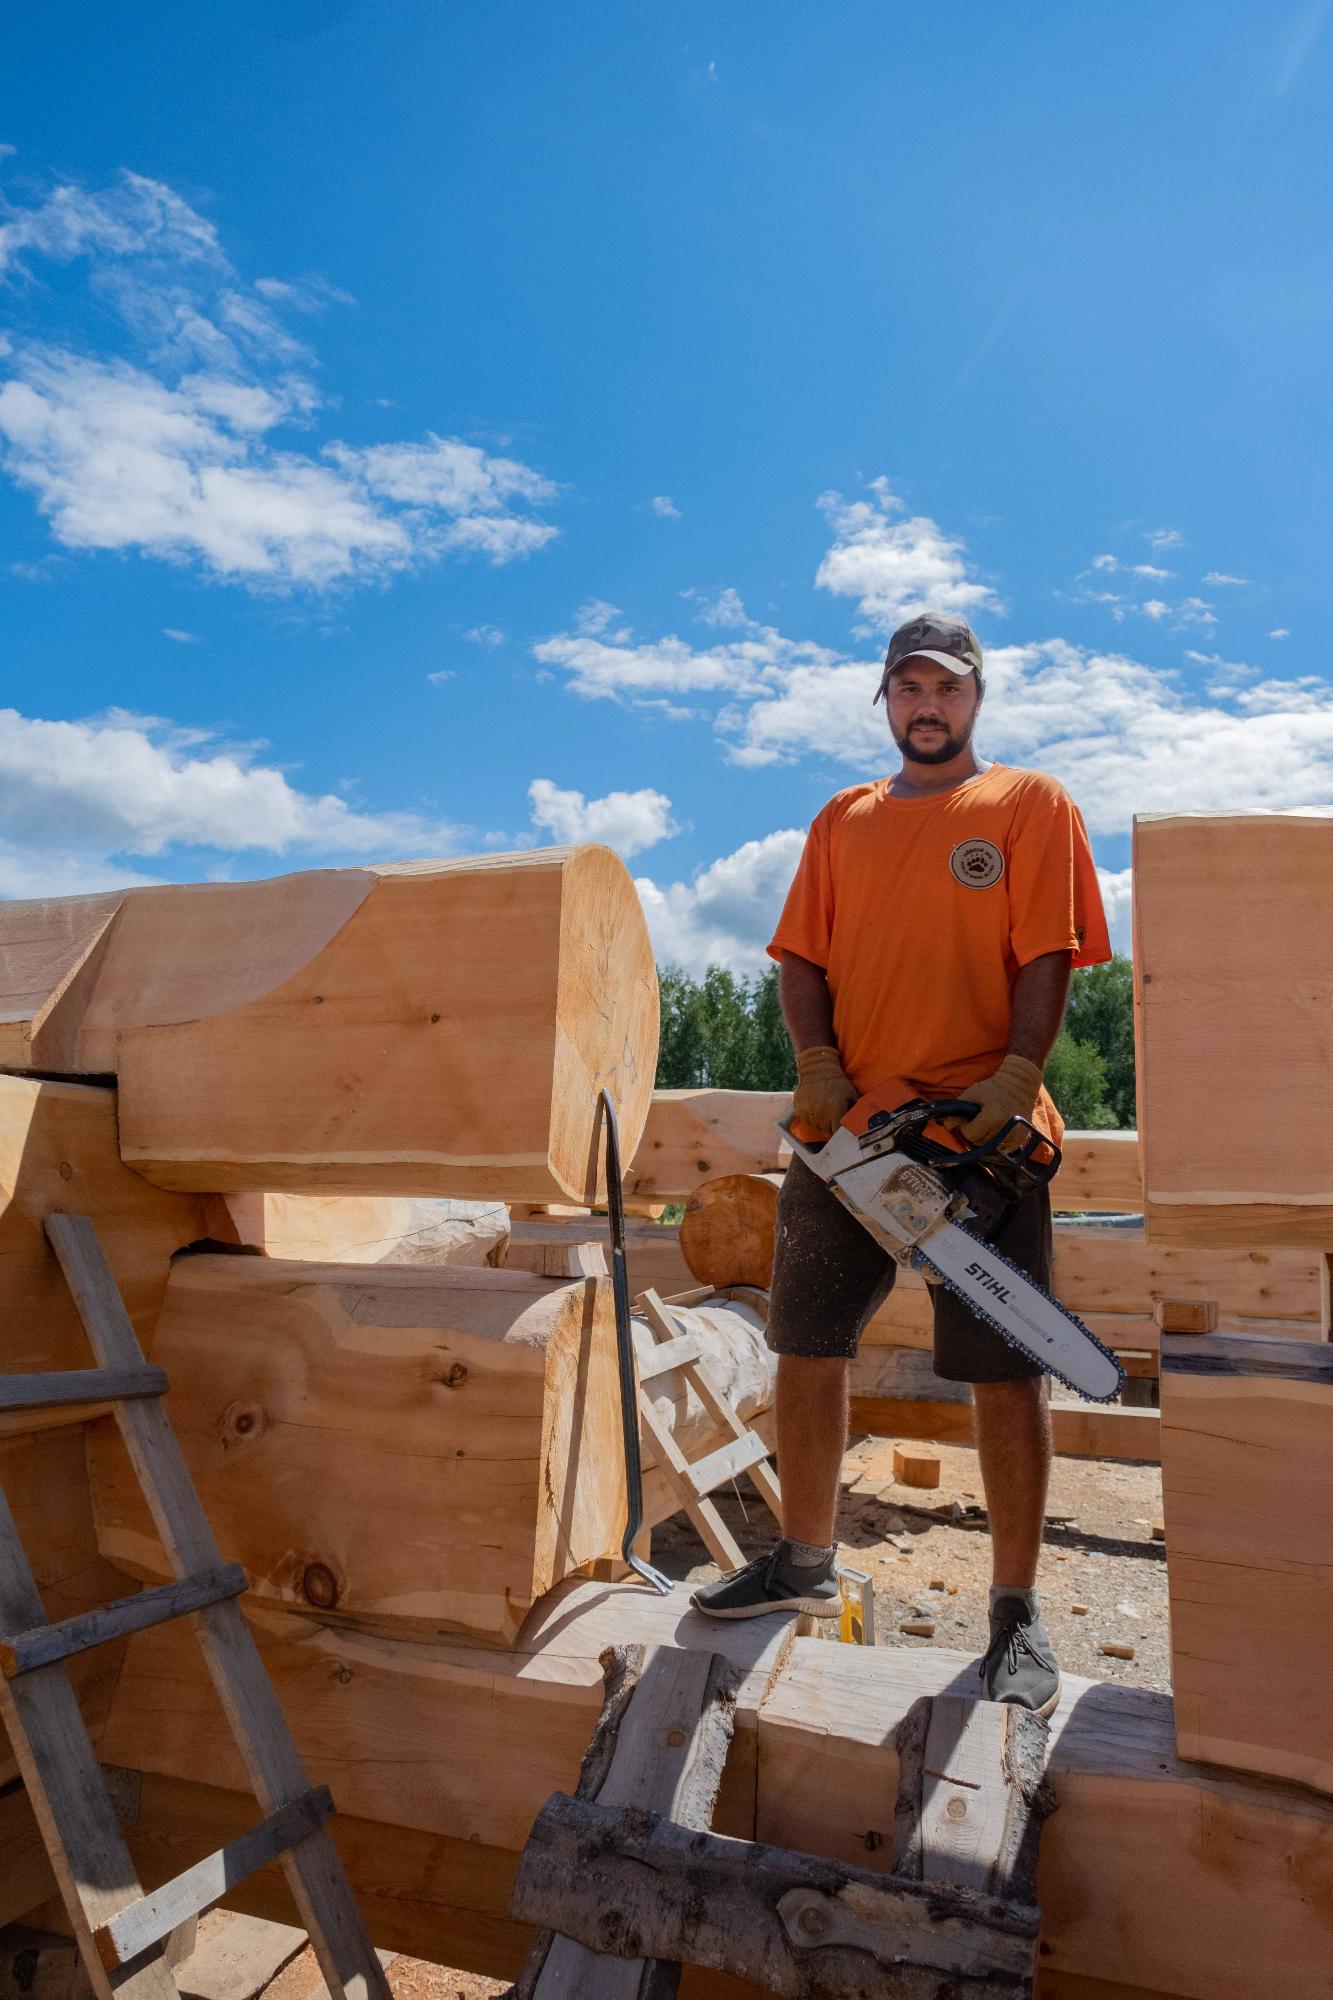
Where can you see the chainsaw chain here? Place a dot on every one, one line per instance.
(920, 1257)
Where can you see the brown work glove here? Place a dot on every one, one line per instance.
(824, 1092)
(1010, 1093)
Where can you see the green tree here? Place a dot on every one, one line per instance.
(1101, 1014)
(723, 1030)
(1076, 1079)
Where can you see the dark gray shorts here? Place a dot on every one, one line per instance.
(830, 1277)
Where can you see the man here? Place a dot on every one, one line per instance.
(925, 950)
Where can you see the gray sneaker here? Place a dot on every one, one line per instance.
(1019, 1666)
(773, 1583)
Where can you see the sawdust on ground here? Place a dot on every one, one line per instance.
(928, 1554)
(409, 1979)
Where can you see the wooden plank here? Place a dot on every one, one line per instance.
(706, 1474)
(971, 1796)
(1247, 1488)
(1232, 916)
(83, 1842)
(1079, 1431)
(719, 1406)
(659, 1747)
(189, 1894)
(795, 1923)
(25, 1651)
(68, 1387)
(669, 1354)
(315, 1874)
(691, 1136)
(1186, 1315)
(717, 1537)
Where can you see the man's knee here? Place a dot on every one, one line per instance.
(816, 1375)
(1022, 1406)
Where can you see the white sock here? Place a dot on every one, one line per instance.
(807, 1555)
(1026, 1597)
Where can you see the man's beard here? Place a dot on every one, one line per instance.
(948, 747)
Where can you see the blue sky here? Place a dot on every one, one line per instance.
(433, 428)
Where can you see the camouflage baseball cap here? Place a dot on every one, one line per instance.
(932, 635)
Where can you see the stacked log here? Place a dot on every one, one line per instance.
(430, 1028)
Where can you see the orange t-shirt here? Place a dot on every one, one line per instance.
(922, 911)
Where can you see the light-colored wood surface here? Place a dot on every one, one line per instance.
(1186, 1315)
(426, 1028)
(692, 1136)
(1084, 1430)
(652, 1249)
(1154, 1874)
(1247, 1485)
(58, 1149)
(1248, 1863)
(46, 1483)
(971, 1799)
(1232, 916)
(728, 1230)
(361, 1229)
(399, 1446)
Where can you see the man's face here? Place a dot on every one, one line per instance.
(931, 711)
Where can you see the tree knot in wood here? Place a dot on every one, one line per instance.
(319, 1586)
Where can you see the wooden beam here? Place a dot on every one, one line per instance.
(972, 1796)
(324, 1032)
(1247, 1486)
(328, 1412)
(691, 1136)
(1088, 1430)
(361, 1229)
(1232, 914)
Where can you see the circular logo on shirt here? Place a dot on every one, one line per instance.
(977, 864)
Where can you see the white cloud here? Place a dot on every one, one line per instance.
(1118, 902)
(90, 792)
(181, 638)
(1114, 565)
(489, 636)
(665, 507)
(1280, 632)
(1154, 607)
(171, 452)
(721, 607)
(1219, 576)
(1164, 538)
(1194, 614)
(618, 667)
(896, 567)
(627, 821)
(726, 914)
(136, 217)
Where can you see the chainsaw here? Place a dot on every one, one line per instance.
(933, 1208)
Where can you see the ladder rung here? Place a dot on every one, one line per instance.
(45, 1644)
(655, 1361)
(719, 1466)
(80, 1385)
(154, 1917)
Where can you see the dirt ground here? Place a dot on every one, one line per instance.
(409, 1979)
(928, 1555)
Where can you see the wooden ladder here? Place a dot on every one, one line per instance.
(745, 1453)
(121, 1932)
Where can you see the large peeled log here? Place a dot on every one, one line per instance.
(361, 1228)
(412, 1449)
(730, 1331)
(427, 1028)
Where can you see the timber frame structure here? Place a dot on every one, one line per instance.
(392, 1370)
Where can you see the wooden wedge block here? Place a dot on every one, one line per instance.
(916, 1465)
(1186, 1315)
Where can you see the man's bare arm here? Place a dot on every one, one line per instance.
(1040, 992)
(807, 1004)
